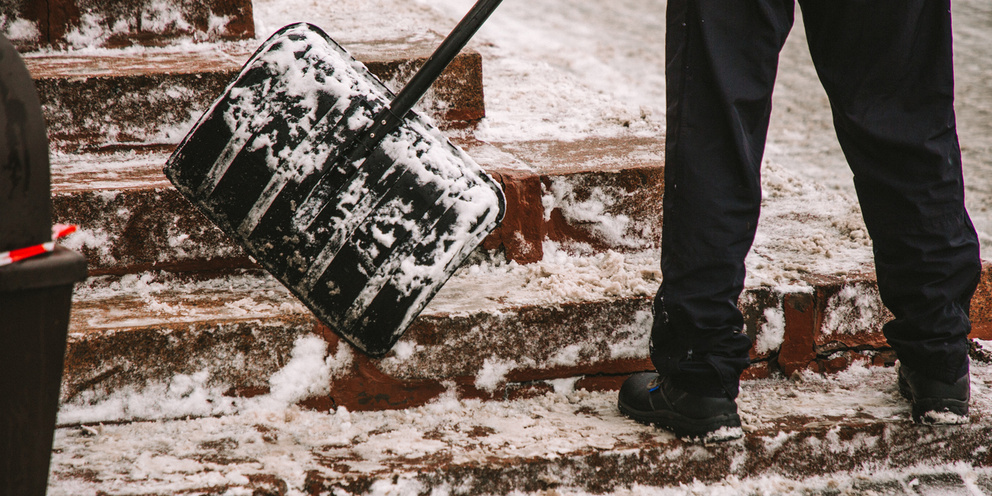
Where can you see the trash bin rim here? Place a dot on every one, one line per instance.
(58, 268)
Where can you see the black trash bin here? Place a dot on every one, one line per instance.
(35, 293)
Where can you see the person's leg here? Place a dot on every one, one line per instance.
(886, 67)
(722, 59)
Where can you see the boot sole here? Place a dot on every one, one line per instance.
(718, 428)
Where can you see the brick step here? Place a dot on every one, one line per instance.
(111, 100)
(134, 333)
(594, 194)
(815, 435)
(493, 330)
(32, 24)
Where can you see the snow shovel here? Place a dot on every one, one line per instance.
(342, 192)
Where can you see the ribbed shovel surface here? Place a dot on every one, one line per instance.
(364, 239)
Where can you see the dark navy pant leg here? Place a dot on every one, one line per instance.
(886, 66)
(722, 58)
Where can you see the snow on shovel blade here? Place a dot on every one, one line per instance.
(364, 238)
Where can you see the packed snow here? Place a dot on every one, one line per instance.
(270, 435)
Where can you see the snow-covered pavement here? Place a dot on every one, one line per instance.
(568, 70)
(843, 434)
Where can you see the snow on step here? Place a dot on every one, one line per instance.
(804, 308)
(236, 330)
(131, 218)
(88, 23)
(150, 97)
(494, 331)
(813, 433)
(593, 195)
(590, 194)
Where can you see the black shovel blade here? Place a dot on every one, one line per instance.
(364, 238)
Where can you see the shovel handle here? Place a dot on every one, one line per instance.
(390, 118)
(442, 56)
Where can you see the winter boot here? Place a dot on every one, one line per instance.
(934, 401)
(650, 398)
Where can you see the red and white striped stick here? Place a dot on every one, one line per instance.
(58, 231)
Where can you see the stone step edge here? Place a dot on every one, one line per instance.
(134, 228)
(580, 443)
(796, 452)
(241, 355)
(155, 98)
(244, 353)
